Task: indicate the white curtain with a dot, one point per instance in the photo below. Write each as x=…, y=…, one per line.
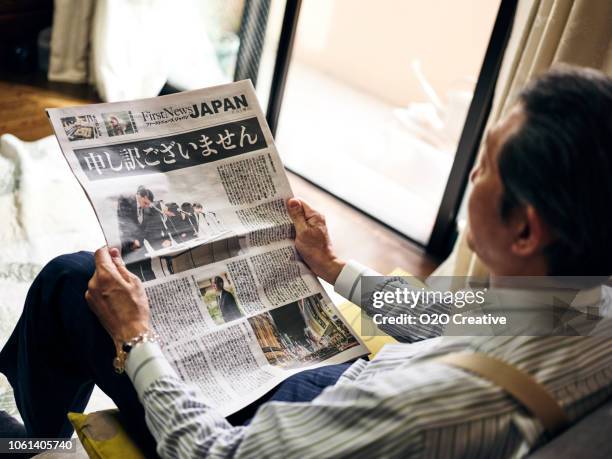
x=130, y=48
x=69, y=56
x=545, y=32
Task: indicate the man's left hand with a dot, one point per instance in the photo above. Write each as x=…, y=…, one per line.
x=117, y=297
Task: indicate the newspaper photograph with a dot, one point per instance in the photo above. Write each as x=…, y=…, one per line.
x=191, y=189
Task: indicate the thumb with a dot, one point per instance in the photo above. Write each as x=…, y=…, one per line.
x=308, y=211
x=296, y=212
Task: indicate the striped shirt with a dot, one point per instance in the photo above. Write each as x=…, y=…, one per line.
x=401, y=404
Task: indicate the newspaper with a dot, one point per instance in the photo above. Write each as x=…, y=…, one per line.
x=191, y=187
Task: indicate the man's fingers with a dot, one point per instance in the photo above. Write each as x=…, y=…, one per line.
x=103, y=257
x=296, y=212
x=115, y=256
x=120, y=265
x=105, y=263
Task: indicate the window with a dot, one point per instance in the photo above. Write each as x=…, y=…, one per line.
x=376, y=99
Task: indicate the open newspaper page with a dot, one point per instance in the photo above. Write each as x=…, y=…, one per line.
x=191, y=188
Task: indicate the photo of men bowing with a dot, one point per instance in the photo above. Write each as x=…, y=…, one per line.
x=147, y=226
x=132, y=215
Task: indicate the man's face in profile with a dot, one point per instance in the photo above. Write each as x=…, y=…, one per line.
x=488, y=235
x=143, y=201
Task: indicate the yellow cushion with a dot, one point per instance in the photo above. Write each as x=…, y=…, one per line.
x=360, y=323
x=103, y=436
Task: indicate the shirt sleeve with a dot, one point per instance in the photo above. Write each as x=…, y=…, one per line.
x=180, y=420
x=425, y=410
x=349, y=285
x=145, y=364
x=345, y=419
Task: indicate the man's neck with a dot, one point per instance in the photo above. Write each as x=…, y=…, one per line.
x=533, y=267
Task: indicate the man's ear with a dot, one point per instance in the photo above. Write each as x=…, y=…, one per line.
x=531, y=233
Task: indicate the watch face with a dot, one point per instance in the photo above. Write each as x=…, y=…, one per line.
x=119, y=364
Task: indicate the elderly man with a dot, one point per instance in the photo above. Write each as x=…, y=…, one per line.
x=539, y=206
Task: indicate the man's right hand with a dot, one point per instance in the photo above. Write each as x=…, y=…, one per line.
x=136, y=244
x=312, y=240
x=117, y=297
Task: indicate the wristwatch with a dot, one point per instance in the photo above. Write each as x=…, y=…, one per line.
x=127, y=346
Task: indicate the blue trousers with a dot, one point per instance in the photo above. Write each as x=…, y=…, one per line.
x=59, y=350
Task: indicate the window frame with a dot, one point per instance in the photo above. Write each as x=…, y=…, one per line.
x=444, y=232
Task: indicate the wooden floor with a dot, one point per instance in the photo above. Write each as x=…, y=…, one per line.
x=22, y=104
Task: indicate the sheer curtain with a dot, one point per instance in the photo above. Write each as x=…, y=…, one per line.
x=130, y=48
x=545, y=32
x=69, y=58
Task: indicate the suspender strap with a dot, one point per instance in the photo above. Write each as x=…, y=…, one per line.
x=520, y=385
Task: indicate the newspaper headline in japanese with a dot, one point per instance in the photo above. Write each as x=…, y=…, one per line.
x=190, y=186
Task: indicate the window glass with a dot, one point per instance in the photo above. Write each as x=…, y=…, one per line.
x=376, y=98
